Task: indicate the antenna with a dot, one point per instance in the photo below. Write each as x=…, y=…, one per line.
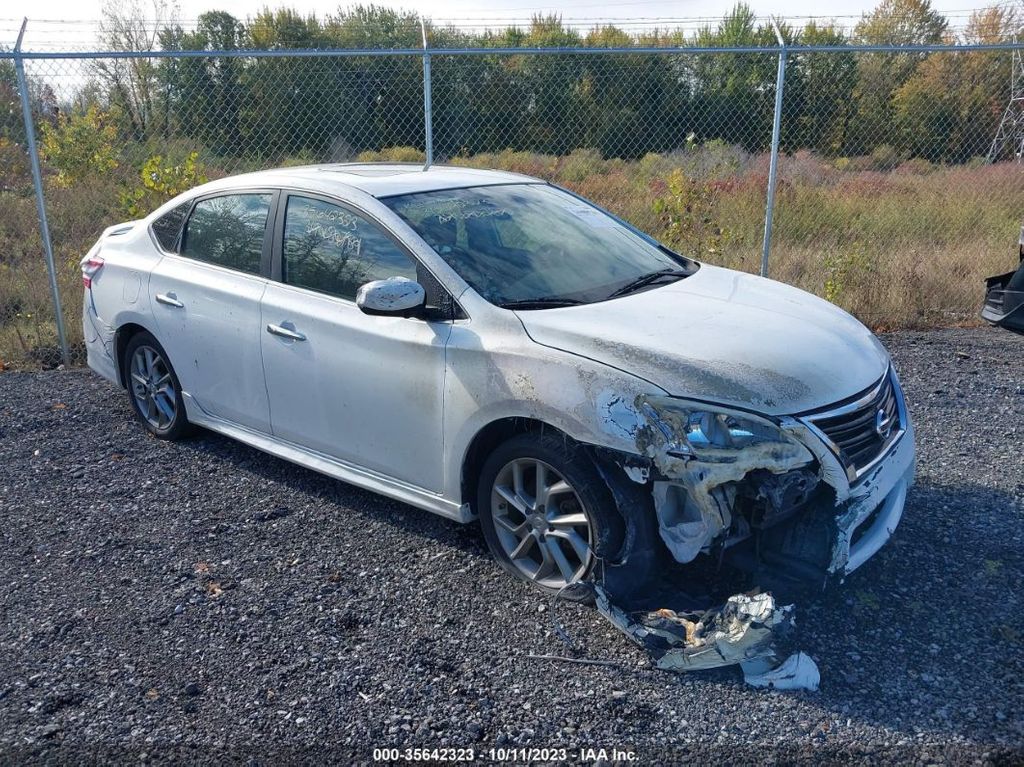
x=1011, y=127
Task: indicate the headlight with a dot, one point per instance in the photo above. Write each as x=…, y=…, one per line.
x=706, y=432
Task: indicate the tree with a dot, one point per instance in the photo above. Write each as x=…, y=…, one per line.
x=734, y=93
x=131, y=83
x=880, y=75
x=205, y=94
x=949, y=109
x=819, y=91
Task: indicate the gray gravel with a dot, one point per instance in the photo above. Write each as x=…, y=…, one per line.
x=206, y=601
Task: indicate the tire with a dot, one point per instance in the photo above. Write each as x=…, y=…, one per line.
x=153, y=388
x=525, y=530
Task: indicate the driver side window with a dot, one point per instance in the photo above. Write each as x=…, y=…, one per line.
x=332, y=250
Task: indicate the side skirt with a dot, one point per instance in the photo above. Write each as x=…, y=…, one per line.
x=332, y=467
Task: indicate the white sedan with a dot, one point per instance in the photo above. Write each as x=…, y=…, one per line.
x=487, y=345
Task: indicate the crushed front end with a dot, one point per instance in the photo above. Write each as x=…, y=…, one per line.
x=789, y=501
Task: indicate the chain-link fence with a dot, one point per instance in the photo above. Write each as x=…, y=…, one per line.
x=886, y=201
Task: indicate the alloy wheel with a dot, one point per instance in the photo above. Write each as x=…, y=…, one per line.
x=541, y=523
x=153, y=388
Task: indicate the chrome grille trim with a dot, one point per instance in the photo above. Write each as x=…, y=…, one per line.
x=849, y=429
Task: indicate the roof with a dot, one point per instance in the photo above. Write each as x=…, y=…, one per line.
x=377, y=179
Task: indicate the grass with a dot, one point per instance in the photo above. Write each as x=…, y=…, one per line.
x=908, y=248
x=905, y=248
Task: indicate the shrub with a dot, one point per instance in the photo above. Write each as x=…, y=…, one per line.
x=580, y=164
x=687, y=214
x=885, y=157
x=394, y=154
x=79, y=145
x=14, y=167
x=841, y=268
x=160, y=182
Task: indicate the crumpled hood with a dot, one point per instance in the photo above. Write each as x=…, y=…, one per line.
x=724, y=336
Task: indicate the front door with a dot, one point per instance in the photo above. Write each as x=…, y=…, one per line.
x=364, y=389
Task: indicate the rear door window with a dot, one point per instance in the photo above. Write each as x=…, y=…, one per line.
x=228, y=231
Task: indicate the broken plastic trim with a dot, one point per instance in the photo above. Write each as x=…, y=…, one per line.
x=742, y=631
x=701, y=451
x=767, y=494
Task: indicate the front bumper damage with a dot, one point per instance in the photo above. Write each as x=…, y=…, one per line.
x=1004, y=296
x=787, y=516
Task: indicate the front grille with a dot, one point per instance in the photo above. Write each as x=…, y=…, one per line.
x=854, y=428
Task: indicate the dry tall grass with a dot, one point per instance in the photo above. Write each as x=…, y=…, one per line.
x=903, y=248
x=899, y=249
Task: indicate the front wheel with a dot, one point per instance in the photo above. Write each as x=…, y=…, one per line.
x=546, y=513
x=153, y=388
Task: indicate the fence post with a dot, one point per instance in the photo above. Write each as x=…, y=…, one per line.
x=37, y=181
x=780, y=83
x=428, y=117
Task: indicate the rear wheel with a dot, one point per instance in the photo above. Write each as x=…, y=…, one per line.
x=153, y=388
x=547, y=515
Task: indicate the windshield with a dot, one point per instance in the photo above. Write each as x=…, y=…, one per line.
x=523, y=244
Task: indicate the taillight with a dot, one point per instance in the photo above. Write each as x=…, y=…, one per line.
x=90, y=268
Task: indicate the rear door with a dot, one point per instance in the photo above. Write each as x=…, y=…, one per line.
x=206, y=300
x=364, y=389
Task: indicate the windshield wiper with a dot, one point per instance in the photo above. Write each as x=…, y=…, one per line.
x=648, y=279
x=544, y=302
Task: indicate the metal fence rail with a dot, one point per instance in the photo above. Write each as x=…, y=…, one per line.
x=867, y=174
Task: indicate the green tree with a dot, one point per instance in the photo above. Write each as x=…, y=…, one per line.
x=949, y=109
x=205, y=94
x=880, y=75
x=631, y=104
x=734, y=93
x=819, y=92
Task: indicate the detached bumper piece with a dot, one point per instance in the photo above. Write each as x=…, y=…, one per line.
x=742, y=631
x=1004, y=298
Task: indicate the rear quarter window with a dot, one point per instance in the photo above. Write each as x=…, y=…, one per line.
x=167, y=228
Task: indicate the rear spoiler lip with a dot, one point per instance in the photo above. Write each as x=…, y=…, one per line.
x=117, y=229
x=111, y=231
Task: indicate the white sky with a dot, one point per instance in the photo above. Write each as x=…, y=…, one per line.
x=626, y=12
x=455, y=9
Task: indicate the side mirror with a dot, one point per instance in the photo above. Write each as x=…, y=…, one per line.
x=393, y=297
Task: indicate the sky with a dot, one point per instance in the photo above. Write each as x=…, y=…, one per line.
x=44, y=30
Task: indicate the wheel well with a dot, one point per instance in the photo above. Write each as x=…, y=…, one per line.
x=488, y=438
x=125, y=333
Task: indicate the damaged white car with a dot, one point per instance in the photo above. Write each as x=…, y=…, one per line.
x=487, y=345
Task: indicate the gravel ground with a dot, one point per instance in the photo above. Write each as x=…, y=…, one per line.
x=204, y=600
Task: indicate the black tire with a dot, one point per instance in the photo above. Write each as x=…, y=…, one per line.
x=170, y=428
x=595, y=500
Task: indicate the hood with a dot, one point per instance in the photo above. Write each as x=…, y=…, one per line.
x=724, y=336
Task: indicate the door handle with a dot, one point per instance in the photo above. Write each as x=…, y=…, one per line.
x=288, y=333
x=170, y=300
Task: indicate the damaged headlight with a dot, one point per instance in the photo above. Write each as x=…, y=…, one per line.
x=698, y=430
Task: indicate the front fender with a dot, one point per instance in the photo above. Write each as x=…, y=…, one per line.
x=511, y=377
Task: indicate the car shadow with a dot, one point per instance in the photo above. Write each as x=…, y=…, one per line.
x=354, y=500
x=911, y=642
